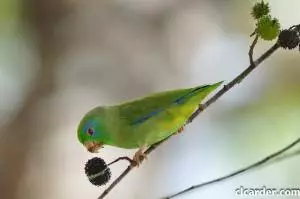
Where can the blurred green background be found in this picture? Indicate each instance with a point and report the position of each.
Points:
(58, 59)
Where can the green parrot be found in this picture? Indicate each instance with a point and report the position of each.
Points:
(142, 122)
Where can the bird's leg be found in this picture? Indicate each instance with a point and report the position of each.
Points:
(140, 155)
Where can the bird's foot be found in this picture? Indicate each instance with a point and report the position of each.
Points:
(180, 130)
(139, 156)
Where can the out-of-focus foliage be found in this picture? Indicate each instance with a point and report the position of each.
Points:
(10, 10)
(17, 59)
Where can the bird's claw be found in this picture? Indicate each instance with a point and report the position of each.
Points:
(138, 157)
(180, 130)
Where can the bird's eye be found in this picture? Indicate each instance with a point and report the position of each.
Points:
(90, 131)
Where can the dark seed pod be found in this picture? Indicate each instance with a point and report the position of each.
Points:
(288, 39)
(97, 171)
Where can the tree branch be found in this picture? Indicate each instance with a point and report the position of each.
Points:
(234, 82)
(243, 170)
(202, 107)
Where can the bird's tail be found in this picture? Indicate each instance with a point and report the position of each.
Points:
(198, 93)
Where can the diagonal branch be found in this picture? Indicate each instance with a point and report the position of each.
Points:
(235, 81)
(202, 107)
(243, 170)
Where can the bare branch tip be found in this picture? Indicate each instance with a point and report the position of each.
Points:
(251, 49)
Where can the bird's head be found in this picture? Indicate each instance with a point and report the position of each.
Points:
(91, 130)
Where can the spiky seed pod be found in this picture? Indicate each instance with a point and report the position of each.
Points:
(260, 9)
(97, 171)
(267, 27)
(289, 39)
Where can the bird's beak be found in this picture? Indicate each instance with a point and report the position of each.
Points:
(93, 146)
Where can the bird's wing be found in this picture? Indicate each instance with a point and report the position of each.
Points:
(138, 111)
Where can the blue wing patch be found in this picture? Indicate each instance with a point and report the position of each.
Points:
(178, 101)
(146, 117)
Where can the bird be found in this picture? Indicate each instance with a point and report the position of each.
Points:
(142, 122)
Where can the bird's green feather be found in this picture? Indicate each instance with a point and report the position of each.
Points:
(147, 120)
(140, 110)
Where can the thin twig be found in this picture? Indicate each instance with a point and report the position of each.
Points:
(200, 109)
(250, 53)
(122, 158)
(253, 33)
(243, 170)
(286, 156)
